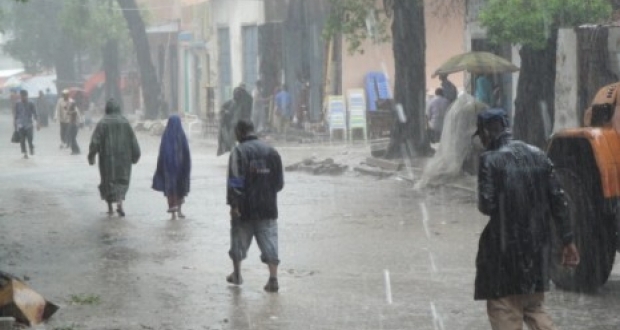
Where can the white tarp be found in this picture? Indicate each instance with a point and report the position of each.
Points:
(456, 142)
(40, 83)
(10, 72)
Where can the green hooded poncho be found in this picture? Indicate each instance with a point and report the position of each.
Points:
(115, 142)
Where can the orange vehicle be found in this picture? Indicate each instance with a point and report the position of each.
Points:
(587, 162)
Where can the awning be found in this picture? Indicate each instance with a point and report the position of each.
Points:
(10, 72)
(163, 28)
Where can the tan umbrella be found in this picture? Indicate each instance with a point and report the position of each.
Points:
(476, 63)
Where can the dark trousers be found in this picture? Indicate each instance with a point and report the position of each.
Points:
(64, 129)
(26, 134)
(72, 138)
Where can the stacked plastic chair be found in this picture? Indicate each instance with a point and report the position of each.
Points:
(357, 112)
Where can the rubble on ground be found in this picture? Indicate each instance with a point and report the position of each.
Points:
(376, 167)
(381, 168)
(311, 165)
(154, 127)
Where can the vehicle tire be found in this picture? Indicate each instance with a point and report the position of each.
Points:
(594, 232)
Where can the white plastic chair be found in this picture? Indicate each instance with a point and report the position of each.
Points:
(193, 124)
(337, 114)
(357, 112)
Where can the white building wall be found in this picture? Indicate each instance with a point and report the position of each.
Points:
(234, 14)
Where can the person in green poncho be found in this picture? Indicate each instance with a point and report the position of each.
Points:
(115, 142)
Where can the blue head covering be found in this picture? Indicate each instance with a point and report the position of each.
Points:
(174, 162)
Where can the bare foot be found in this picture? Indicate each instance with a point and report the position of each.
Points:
(234, 278)
(272, 285)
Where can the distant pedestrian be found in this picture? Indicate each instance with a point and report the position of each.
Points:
(240, 107)
(435, 114)
(115, 142)
(243, 102)
(518, 189)
(449, 90)
(258, 106)
(497, 98)
(284, 111)
(254, 179)
(24, 113)
(75, 123)
(484, 90)
(174, 164)
(61, 114)
(43, 109)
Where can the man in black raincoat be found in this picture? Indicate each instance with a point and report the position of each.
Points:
(255, 178)
(240, 107)
(518, 190)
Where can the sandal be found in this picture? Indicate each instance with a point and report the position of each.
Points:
(234, 279)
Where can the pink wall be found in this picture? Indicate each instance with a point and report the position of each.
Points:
(444, 39)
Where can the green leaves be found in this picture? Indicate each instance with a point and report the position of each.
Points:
(92, 23)
(40, 27)
(530, 22)
(357, 21)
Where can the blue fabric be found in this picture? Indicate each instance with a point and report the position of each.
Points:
(172, 176)
(236, 182)
(283, 103)
(484, 89)
(24, 114)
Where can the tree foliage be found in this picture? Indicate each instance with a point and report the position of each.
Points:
(37, 28)
(93, 22)
(357, 21)
(531, 22)
(34, 33)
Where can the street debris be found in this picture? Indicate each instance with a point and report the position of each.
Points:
(373, 171)
(327, 166)
(154, 127)
(19, 301)
(385, 164)
(381, 168)
(85, 299)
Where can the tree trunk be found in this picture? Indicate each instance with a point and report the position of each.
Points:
(535, 102)
(409, 138)
(111, 69)
(148, 75)
(594, 71)
(64, 58)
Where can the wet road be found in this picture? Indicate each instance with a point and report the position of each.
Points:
(357, 253)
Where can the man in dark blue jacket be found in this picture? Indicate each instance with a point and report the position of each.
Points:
(517, 188)
(24, 114)
(254, 179)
